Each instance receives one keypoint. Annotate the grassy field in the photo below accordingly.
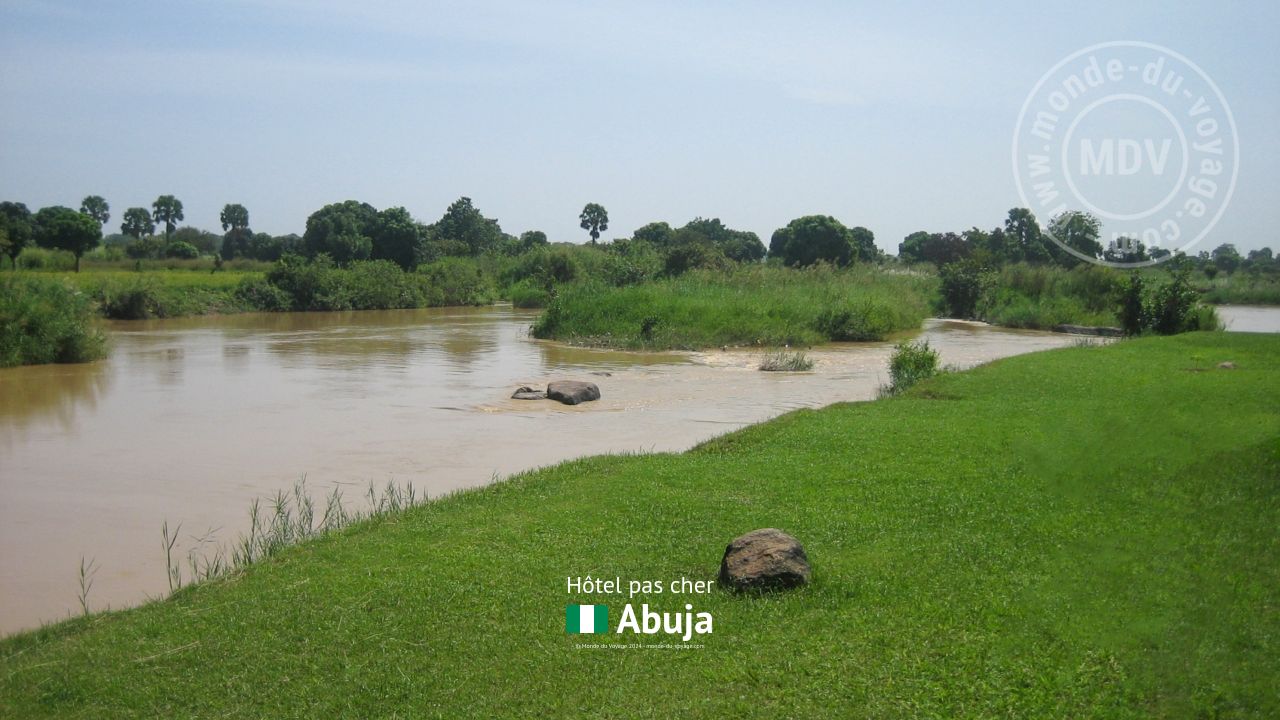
(1090, 532)
(759, 305)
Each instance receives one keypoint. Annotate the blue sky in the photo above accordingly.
(896, 117)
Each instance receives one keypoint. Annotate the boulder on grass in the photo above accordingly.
(572, 392)
(766, 559)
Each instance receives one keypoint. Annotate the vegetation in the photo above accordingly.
(786, 361)
(44, 320)
(910, 363)
(167, 209)
(759, 306)
(66, 229)
(822, 238)
(978, 551)
(595, 220)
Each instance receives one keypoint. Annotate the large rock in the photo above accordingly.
(572, 392)
(528, 393)
(766, 559)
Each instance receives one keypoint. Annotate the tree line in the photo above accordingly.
(351, 230)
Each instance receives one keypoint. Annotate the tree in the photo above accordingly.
(167, 209)
(137, 223)
(97, 208)
(864, 244)
(341, 231)
(937, 248)
(16, 230)
(65, 229)
(1023, 240)
(594, 219)
(530, 239)
(235, 223)
(737, 245)
(1261, 255)
(1078, 231)
(1227, 258)
(396, 237)
(464, 223)
(812, 238)
(657, 234)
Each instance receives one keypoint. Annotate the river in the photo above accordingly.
(188, 420)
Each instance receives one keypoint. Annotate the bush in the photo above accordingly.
(381, 285)
(867, 320)
(135, 298)
(963, 284)
(46, 321)
(456, 281)
(179, 249)
(310, 284)
(259, 294)
(911, 363)
(38, 258)
(1133, 315)
(529, 294)
(1174, 306)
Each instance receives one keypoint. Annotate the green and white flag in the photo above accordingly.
(586, 618)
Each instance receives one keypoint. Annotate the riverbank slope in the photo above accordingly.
(1083, 532)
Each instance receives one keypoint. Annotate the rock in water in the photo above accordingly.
(528, 393)
(572, 392)
(766, 559)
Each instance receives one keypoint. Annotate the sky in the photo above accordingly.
(897, 117)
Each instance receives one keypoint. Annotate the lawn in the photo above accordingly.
(1088, 532)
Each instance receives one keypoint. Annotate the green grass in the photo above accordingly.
(162, 293)
(750, 305)
(1089, 532)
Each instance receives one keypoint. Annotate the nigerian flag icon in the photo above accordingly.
(586, 618)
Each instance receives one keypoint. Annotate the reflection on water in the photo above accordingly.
(190, 419)
(47, 395)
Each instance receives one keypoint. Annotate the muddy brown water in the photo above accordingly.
(1250, 318)
(189, 420)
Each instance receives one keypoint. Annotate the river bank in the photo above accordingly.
(170, 427)
(977, 527)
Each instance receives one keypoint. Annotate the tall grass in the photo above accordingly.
(283, 520)
(1243, 289)
(1043, 296)
(786, 361)
(44, 320)
(750, 305)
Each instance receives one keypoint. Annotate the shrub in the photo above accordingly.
(529, 294)
(46, 321)
(38, 258)
(135, 298)
(456, 281)
(1173, 307)
(255, 293)
(1133, 315)
(911, 363)
(867, 320)
(310, 284)
(180, 249)
(381, 284)
(963, 284)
